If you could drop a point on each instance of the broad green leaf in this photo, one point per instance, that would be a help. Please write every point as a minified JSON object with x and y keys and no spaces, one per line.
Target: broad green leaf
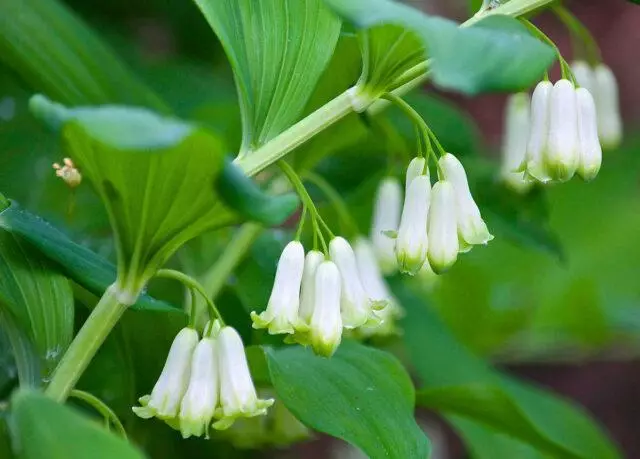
{"x":38,"y":299}
{"x":75,"y":261}
{"x":278,"y":49}
{"x":496,"y":53}
{"x":467,"y":386}
{"x":45,"y":428}
{"x":361,"y":395}
{"x":154,"y":175}
{"x":56,"y":53}
{"x":19,"y":356}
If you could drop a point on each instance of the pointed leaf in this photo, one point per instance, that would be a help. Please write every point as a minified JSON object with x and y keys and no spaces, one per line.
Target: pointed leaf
{"x":75,"y":261}
{"x":56,"y":53}
{"x":496,"y":53}
{"x":38,"y":299}
{"x":44,"y":428}
{"x":361,"y":395}
{"x":467,"y":386}
{"x":154,"y":175}
{"x":278,"y":50}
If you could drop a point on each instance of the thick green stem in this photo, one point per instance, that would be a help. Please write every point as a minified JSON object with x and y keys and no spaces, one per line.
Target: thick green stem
{"x":85,"y":345}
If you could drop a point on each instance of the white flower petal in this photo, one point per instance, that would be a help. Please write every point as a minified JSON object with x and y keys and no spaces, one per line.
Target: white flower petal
{"x":590,"y":150}
{"x":515,"y":139}
{"x":325,"y":331}
{"x":608,"y":107}
{"x":563,"y":148}
{"x":443,"y":235}
{"x":538,"y":133}
{"x":386,"y":217}
{"x":307,"y":292}
{"x":412,"y":241}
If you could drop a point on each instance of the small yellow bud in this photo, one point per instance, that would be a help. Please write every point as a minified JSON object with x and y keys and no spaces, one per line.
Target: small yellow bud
{"x":68,"y":173}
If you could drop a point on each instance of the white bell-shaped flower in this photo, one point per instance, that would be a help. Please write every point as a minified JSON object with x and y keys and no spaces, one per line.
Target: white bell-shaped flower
{"x":416,"y":168}
{"x":370,"y":275}
{"x":412,"y":241}
{"x":355,"y":305}
{"x":238,"y":397}
{"x":563,"y":153}
{"x":443,"y":234}
{"x":201,"y":399}
{"x":472,"y":229}
{"x":535,"y":166}
{"x":386,"y":217}
{"x":607,"y":106}
{"x":325,"y":331}
{"x":584,"y":75}
{"x":590,"y":150}
{"x":308,"y":289}
{"x":514,"y":143}
{"x":281,"y":315}
{"x":166,"y":396}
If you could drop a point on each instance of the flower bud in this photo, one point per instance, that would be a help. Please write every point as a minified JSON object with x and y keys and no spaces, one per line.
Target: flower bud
{"x":416,"y":168}
{"x":325,"y":331}
{"x":238,"y":396}
{"x":167,"y":394}
{"x":443,"y":235}
{"x":307,"y":291}
{"x":355,"y":306}
{"x":386,"y":217}
{"x":514,"y":144}
{"x":281,"y":315}
{"x":538,"y":132}
{"x":584,"y":75}
{"x":412,"y":242}
{"x":370,"y":275}
{"x":607,"y":107}
{"x":562,"y":155}
{"x":201,"y":399}
{"x":590,"y":150}
{"x":471,"y":227}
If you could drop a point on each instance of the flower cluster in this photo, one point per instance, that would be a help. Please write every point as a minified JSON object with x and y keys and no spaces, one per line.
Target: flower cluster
{"x":204,"y":379}
{"x":436,"y":223}
{"x":315,"y":297}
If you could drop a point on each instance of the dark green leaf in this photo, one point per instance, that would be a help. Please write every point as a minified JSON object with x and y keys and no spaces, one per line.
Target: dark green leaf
{"x":245,"y":197}
{"x":465,"y":385}
{"x":73,"y":260}
{"x":497,"y":53}
{"x":154,"y":175}
{"x":45,"y":428}
{"x":37,"y":298}
{"x":361,"y":395}
{"x":278,"y":50}
{"x":56,"y":53}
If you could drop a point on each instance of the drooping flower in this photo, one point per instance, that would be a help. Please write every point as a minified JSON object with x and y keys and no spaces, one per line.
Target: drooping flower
{"x":307,"y":291}
{"x":166,"y":396}
{"x":472,"y":229}
{"x":355,"y":305}
{"x":563,"y":145}
{"x":590,"y":150}
{"x":607,"y":107}
{"x":584,"y":75}
{"x":535,"y":165}
{"x":238,"y":397}
{"x":412,"y":241}
{"x":370,"y":275}
{"x":201,"y":399}
{"x":386,"y":217}
{"x":442,"y":228}
{"x":281,"y":315}
{"x":514,"y":143}
{"x":416,"y":168}
{"x":325,"y":331}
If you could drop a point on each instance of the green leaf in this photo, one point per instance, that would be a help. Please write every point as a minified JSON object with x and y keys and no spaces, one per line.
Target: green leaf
{"x":278,"y":49}
{"x":45,"y":428}
{"x":20,"y":354}
{"x":496,"y":53}
{"x":467,"y":386}
{"x":246,"y":198}
{"x":75,"y":261}
{"x":361,"y":395}
{"x":154,"y":175}
{"x":56,"y":53}
{"x":38,"y":299}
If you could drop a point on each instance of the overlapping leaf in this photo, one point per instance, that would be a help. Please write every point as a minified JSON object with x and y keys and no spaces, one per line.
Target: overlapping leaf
{"x":497,"y":53}
{"x":37,"y":300}
{"x":361,"y":395}
{"x":466,"y":386}
{"x":278,"y":50}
